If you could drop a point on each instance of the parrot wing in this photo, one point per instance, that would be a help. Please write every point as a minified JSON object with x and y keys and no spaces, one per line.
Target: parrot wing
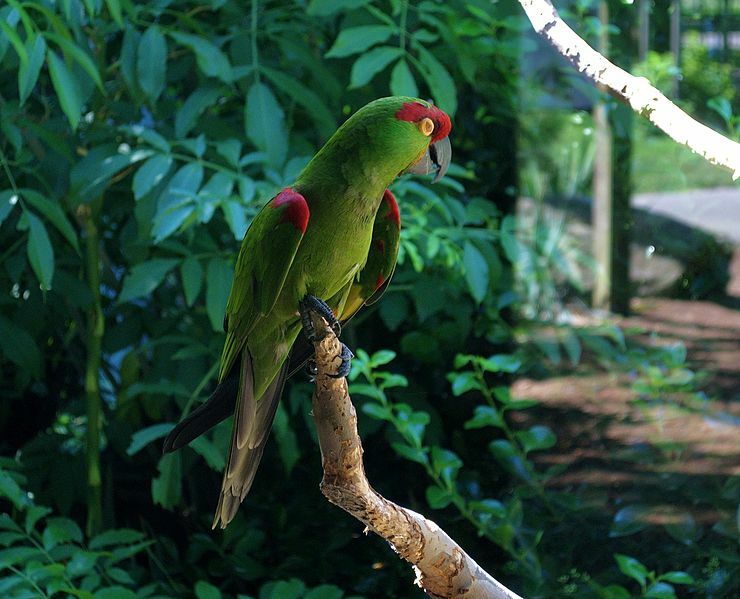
{"x":265,"y":258}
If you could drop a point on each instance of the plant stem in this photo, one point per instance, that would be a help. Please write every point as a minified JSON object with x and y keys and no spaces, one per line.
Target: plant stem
{"x":95,"y":329}
{"x":255,"y":55}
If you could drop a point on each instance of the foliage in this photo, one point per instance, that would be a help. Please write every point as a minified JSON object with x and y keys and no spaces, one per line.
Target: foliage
{"x":138,"y":141}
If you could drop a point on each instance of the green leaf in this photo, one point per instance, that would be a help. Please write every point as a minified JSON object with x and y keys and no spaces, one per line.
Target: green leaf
{"x":28,"y":73}
{"x":80,"y":56}
{"x":82,"y":563}
{"x":501,"y":363}
{"x":485,"y":416}
{"x":414,"y":454}
{"x":384,"y":356}
{"x":18,"y":555}
{"x":438,"y":498}
{"x":265,"y":123}
{"x":205,"y":590}
{"x":375,"y":410}
{"x":325,"y":8}
{"x":402,"y":80}
{"x":10,"y":490}
{"x":40,"y":252}
{"x":683,"y":527}
{"x":660,"y":590}
{"x":114,"y":9}
{"x":19,"y":347}
{"x":192,"y":278}
{"x":677,"y":577}
{"x":439,"y":80}
{"x":371,"y":63}
{"x":235,"y":216}
{"x":629,"y":520}
{"x":117,"y":536}
{"x":151,"y":62}
{"x":188,"y":114}
{"x":150,"y":174}
{"x":67,"y":88}
{"x":463,"y":382}
{"x":537,"y":437}
{"x":143,"y":437}
{"x":325,"y":591}
{"x":211,"y":60}
{"x":90,"y":176}
{"x":354,"y":40}
{"x":231,"y":150}
{"x":212,"y":455}
{"x":286,"y":439}
{"x":509,"y":458}
{"x":60,"y":530}
{"x":219,"y":276}
{"x":115,"y":592}
{"x":166,"y":487}
{"x":53,"y":212}
{"x":177,"y":201}
{"x":476,"y":272}
{"x":629,"y":566}
{"x":313,"y":103}
{"x":8,"y":199}
{"x":445,"y":463}
{"x":33,"y":515}
{"x":145,"y":278}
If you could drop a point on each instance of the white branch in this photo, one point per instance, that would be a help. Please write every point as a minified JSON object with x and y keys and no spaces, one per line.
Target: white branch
{"x":641,"y":96}
{"x":443,"y":569}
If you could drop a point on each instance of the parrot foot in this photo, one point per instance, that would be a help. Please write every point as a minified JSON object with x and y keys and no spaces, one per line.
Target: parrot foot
{"x":309,"y":303}
{"x":346,"y":364}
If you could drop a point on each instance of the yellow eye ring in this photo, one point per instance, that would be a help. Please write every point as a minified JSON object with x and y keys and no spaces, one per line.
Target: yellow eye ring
{"x":426,"y":126}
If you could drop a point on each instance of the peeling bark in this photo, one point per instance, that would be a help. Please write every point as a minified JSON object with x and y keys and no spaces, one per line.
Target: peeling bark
{"x":443,"y":569}
{"x":637,"y":92}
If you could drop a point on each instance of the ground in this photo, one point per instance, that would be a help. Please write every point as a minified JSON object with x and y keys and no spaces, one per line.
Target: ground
{"x":661,"y":454}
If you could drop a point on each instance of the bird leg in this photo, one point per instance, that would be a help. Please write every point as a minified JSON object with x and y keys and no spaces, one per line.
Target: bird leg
{"x":310,"y":304}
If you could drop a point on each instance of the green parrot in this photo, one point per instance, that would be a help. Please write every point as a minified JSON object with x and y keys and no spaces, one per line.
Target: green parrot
{"x":328,"y":243}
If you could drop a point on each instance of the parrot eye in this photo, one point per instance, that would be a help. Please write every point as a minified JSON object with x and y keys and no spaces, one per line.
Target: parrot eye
{"x":426,"y":126}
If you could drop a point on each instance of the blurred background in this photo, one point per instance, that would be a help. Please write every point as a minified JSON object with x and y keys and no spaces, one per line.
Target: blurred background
{"x":552,"y":376}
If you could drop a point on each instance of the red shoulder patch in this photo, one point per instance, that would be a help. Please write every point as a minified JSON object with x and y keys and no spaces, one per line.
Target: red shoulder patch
{"x":414,"y":112}
{"x":393,"y":213}
{"x":296,"y":211}
{"x":379,"y":282}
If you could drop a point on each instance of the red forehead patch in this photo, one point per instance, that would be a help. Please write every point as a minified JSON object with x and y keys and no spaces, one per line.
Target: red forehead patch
{"x":414,"y":112}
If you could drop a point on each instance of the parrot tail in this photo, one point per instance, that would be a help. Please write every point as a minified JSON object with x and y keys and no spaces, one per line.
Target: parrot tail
{"x":252,"y":423}
{"x":219,"y":406}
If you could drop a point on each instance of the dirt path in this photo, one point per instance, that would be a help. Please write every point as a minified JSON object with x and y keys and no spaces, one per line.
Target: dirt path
{"x":634,"y":452}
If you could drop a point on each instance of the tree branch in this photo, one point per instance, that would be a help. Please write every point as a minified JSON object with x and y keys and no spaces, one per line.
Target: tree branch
{"x":442,"y":568}
{"x":637,"y":92}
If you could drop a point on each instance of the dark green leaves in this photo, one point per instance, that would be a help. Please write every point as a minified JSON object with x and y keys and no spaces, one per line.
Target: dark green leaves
{"x":40,"y":252}
{"x":151,"y":63}
{"x":476,"y":272}
{"x":371,"y":63}
{"x":354,"y":40}
{"x":218,"y":278}
{"x":145,"y":278}
{"x":265,"y":123}
{"x":150,"y":174}
{"x":28,"y":73}
{"x":192,"y":278}
{"x":211,"y":61}
{"x":402,"y":80}
{"x":66,"y":87}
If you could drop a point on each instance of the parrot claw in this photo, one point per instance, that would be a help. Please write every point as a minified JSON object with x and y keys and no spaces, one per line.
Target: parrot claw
{"x":309,"y":303}
{"x":346,"y":364}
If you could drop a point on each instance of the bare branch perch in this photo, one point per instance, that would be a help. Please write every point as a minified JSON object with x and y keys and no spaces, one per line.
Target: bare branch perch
{"x":637,"y":92}
{"x":442,"y":568}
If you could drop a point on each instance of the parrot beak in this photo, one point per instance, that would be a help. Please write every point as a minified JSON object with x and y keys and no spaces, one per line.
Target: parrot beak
{"x":435,"y":159}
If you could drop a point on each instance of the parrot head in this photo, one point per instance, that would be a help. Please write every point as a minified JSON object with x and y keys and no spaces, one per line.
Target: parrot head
{"x":435,"y":126}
